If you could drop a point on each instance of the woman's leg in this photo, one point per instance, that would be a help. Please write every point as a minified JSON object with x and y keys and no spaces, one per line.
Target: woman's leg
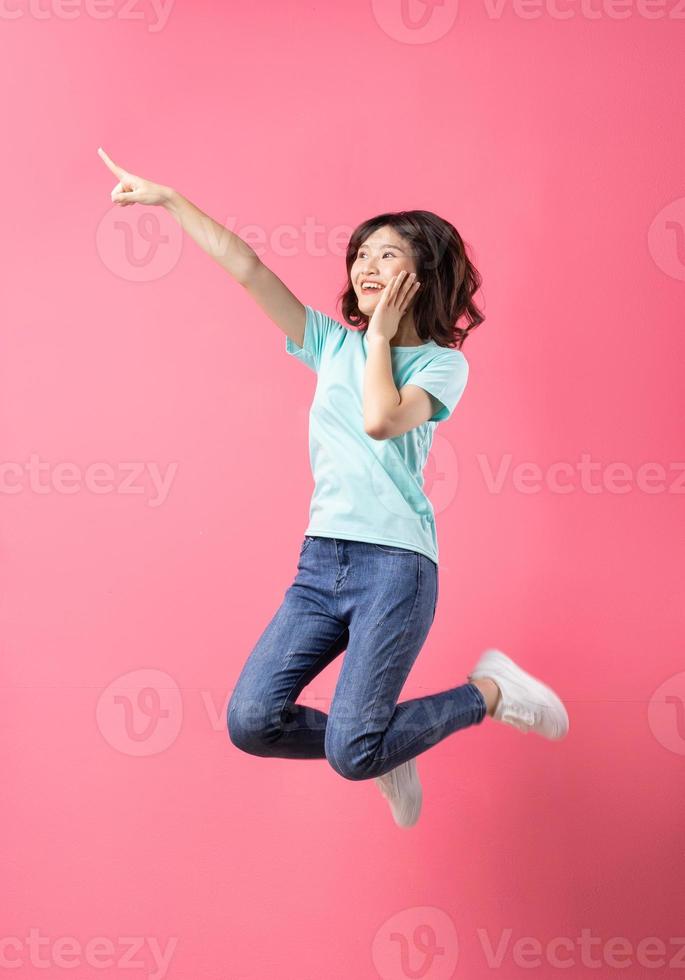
{"x":302,"y":638}
{"x":389,"y":599}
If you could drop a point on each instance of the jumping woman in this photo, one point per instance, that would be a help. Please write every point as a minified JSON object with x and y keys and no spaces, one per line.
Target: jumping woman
{"x":367,"y":572}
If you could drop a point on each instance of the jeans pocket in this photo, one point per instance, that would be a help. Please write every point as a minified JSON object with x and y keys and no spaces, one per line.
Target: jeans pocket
{"x":306,"y":543}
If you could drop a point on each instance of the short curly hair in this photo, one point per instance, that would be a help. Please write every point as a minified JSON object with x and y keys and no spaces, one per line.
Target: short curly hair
{"x":449,"y":278}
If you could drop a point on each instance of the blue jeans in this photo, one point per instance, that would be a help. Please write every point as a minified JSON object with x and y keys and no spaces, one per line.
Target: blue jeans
{"x":377,"y":602}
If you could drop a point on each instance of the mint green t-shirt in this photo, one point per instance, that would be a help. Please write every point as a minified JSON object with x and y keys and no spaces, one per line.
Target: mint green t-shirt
{"x":371,"y":489}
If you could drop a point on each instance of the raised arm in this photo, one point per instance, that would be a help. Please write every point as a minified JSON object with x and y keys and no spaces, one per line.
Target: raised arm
{"x":223,"y":245}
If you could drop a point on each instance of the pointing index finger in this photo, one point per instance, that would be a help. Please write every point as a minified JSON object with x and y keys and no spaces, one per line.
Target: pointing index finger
{"x":118,"y":171}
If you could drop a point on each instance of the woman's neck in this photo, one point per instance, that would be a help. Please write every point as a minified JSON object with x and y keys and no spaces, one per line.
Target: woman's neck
{"x":406,"y":335}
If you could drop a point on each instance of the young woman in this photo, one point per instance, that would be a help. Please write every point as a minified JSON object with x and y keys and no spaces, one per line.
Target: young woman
{"x":367,"y":574}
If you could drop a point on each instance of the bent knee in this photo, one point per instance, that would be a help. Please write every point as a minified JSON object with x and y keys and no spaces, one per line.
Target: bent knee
{"x":248,"y":730}
{"x":349,"y":758}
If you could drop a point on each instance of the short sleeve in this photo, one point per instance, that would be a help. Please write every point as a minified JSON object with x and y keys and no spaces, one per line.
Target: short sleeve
{"x":444,"y":377}
{"x":318,"y":331}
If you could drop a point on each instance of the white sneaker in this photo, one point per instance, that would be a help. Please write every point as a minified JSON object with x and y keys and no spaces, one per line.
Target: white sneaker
{"x":402,"y":789}
{"x":524,"y":702}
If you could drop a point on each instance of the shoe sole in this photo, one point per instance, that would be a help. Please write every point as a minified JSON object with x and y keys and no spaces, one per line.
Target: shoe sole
{"x":493,"y":663}
{"x":418,"y":795}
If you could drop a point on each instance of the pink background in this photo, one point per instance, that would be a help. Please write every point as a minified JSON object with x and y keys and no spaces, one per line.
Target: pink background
{"x":555,"y":144}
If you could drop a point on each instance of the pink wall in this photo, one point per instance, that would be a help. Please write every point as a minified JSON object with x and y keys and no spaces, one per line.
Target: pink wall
{"x":156,"y":486}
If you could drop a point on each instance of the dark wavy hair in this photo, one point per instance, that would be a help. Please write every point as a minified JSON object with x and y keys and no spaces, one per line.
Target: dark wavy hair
{"x":448,"y":277}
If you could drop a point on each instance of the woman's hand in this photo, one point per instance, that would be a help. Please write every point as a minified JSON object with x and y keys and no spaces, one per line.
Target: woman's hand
{"x":392,"y":304}
{"x":132,"y":189}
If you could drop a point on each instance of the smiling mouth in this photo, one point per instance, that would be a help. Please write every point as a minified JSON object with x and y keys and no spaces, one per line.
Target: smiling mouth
{"x":370,"y":290}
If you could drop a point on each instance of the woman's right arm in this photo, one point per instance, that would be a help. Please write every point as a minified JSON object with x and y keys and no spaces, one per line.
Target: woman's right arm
{"x":228,"y":249}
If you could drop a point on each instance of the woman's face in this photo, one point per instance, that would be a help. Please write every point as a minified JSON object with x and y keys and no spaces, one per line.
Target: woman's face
{"x":378,"y":259}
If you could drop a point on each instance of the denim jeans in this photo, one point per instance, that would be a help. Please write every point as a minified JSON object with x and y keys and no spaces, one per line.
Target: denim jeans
{"x":377,"y":603}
